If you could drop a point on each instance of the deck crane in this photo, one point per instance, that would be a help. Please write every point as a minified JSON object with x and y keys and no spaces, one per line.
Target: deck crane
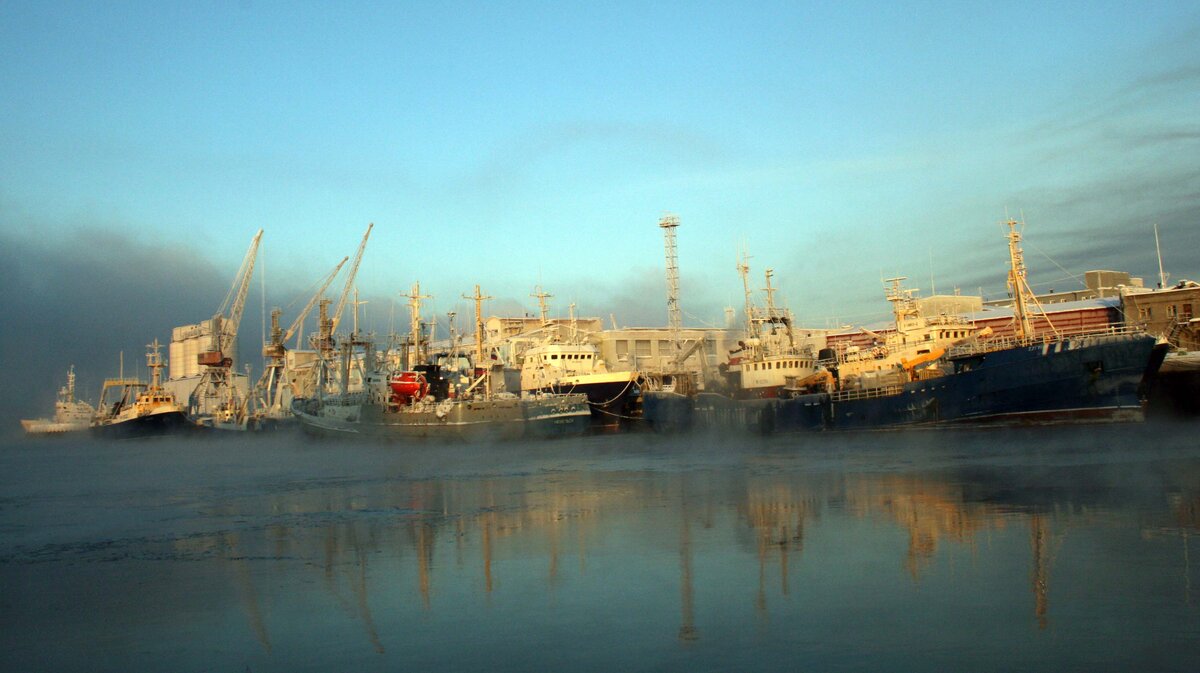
{"x":216,"y":385}
{"x":270,"y":386}
{"x":341,"y":305}
{"x":327,"y":324}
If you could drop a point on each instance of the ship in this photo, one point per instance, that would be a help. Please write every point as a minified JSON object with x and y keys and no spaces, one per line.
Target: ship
{"x":768,"y":359}
{"x":566,"y":364}
{"x":70,"y":414}
{"x":430,"y":401}
{"x":139,"y":409}
{"x":418,"y":404}
{"x":941,"y":370}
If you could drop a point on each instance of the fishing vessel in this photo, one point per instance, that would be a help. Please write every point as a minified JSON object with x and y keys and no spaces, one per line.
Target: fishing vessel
{"x":566,"y":364}
{"x":770,"y":357}
{"x":565,"y":368}
{"x":137,"y":409}
{"x":941,"y":370}
{"x":425,"y":401}
{"x":70,"y":414}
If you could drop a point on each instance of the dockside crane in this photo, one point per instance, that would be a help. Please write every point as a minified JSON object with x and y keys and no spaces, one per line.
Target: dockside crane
{"x":270,"y":386}
{"x":216,"y":395}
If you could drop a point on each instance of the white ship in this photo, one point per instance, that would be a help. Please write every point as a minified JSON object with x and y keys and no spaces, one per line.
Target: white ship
{"x":70,"y":414}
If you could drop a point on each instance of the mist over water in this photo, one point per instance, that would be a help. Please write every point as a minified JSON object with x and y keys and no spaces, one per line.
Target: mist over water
{"x":1022,"y":549}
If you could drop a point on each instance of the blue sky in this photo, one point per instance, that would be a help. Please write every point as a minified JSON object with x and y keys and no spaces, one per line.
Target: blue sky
{"x":512,"y":144}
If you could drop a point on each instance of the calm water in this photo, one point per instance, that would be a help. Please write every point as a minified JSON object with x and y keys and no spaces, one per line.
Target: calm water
{"x":1041,"y":549}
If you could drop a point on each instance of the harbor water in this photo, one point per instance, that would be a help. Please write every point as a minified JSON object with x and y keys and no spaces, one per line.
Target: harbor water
{"x":1031,"y":549}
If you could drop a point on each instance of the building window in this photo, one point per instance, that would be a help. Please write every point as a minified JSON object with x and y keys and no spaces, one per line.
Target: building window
{"x":1172,"y":311}
{"x":1187,"y":311}
{"x":1144,"y":313}
{"x":643,"y":347}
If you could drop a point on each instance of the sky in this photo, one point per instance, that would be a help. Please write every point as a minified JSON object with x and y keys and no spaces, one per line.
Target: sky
{"x":520,"y":144}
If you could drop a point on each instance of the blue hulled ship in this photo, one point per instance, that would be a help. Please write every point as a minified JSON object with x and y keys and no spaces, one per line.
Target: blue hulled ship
{"x":937,"y":370}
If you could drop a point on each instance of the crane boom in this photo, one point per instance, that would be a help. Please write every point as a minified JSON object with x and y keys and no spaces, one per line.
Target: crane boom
{"x":341,"y":305}
{"x":291,"y":331}
{"x":239,"y":290}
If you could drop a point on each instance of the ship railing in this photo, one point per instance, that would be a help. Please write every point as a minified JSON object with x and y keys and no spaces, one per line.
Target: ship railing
{"x":865,"y":393}
{"x":1004,"y":343}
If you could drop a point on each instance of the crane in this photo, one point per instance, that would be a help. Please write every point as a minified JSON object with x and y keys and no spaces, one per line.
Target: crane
{"x":328,"y":324}
{"x":270,"y":386}
{"x":225,"y":329}
{"x":215,"y":383}
{"x":341,"y":305}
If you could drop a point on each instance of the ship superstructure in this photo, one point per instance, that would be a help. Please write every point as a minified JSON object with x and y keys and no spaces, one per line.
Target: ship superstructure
{"x":70,"y":414}
{"x":130,"y":408}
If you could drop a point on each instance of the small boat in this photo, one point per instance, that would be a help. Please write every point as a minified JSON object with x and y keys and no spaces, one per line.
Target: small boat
{"x":70,"y":414}
{"x":141,"y":410}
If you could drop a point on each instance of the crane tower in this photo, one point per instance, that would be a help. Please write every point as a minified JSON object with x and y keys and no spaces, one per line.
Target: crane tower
{"x":668,"y":223}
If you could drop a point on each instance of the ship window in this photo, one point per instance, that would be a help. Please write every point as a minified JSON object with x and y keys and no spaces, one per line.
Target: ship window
{"x":554,"y":357}
{"x":1172,"y":311}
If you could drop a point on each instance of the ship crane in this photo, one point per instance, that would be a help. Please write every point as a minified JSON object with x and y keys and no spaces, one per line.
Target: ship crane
{"x":328,"y":324}
{"x":270,"y":385}
{"x":215,"y":381}
{"x":351,"y":274}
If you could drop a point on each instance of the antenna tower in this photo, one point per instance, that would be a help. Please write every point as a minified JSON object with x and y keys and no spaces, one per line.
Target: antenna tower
{"x":669,"y":223}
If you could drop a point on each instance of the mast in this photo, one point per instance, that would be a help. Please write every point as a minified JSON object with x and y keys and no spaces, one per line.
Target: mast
{"x":770,"y":294}
{"x":543,"y":307}
{"x":414,"y":305}
{"x":744,"y":269}
{"x":1162,"y":277}
{"x":154,"y":364}
{"x":1016,"y":281}
{"x":479,"y":363}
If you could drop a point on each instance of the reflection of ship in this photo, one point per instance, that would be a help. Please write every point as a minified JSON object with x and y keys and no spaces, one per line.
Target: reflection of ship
{"x":424,"y":402}
{"x":141,"y":410}
{"x":70,"y":414}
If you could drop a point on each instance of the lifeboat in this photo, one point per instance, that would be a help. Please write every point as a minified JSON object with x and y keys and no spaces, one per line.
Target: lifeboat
{"x":408,"y":387}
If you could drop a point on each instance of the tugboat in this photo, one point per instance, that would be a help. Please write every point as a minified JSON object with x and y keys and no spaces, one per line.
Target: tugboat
{"x":141,"y":410}
{"x":70,"y":414}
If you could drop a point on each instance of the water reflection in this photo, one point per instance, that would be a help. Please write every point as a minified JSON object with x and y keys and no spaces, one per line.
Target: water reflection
{"x":546,"y":552}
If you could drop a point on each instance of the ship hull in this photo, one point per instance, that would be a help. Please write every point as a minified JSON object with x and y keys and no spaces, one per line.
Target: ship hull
{"x":151,"y":425}
{"x":465,"y":420}
{"x":612,"y":402}
{"x":46,"y":426}
{"x":1084,"y":379}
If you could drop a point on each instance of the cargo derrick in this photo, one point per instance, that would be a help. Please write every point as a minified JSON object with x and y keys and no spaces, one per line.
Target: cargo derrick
{"x":270,"y":386}
{"x":326,"y":343}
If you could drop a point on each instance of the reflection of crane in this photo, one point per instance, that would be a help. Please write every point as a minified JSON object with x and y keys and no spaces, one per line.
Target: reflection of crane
{"x":215,"y":382}
{"x":270,"y":386}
